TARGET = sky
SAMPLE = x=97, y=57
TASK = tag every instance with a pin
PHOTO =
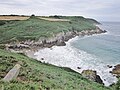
x=101, y=10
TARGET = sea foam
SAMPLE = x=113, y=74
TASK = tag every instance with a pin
x=69, y=56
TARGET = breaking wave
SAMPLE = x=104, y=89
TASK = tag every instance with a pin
x=69, y=56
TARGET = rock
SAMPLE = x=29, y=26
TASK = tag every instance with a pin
x=44, y=41
x=99, y=80
x=13, y=73
x=18, y=46
x=116, y=70
x=42, y=58
x=60, y=43
x=109, y=66
x=78, y=67
x=92, y=75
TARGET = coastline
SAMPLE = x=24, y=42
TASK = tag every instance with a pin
x=78, y=60
x=30, y=53
x=29, y=48
x=58, y=40
x=57, y=55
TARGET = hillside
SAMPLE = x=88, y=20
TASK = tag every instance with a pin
x=35, y=75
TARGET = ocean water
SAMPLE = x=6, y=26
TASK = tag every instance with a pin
x=90, y=52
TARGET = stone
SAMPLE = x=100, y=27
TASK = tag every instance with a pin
x=116, y=70
x=78, y=67
x=42, y=58
x=13, y=73
x=109, y=66
x=60, y=43
x=92, y=75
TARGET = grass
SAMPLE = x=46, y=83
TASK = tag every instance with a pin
x=35, y=75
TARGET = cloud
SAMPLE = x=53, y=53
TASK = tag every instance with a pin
x=99, y=9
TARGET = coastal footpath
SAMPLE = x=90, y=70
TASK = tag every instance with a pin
x=40, y=32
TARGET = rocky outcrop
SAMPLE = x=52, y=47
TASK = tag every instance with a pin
x=116, y=70
x=17, y=46
x=60, y=43
x=92, y=75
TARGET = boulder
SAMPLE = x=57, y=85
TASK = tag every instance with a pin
x=92, y=75
x=42, y=58
x=13, y=73
x=60, y=43
x=109, y=66
x=78, y=67
x=116, y=70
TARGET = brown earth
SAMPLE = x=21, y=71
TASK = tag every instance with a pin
x=14, y=17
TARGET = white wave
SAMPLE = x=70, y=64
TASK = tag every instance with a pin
x=115, y=35
x=112, y=34
x=68, y=56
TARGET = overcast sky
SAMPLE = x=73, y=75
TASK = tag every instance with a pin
x=102, y=10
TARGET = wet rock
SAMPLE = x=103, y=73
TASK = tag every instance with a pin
x=99, y=80
x=109, y=66
x=116, y=70
x=92, y=75
x=78, y=67
x=42, y=58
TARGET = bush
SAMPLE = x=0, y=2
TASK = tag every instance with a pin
x=2, y=23
x=2, y=46
x=118, y=85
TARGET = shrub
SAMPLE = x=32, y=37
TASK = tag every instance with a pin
x=2, y=23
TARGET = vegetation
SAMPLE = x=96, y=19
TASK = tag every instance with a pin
x=35, y=28
x=35, y=75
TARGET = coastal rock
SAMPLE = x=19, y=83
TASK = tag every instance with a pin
x=57, y=39
x=109, y=66
x=42, y=58
x=116, y=70
x=60, y=43
x=92, y=75
x=78, y=67
x=18, y=46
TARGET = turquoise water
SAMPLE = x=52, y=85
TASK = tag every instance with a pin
x=105, y=46
x=89, y=52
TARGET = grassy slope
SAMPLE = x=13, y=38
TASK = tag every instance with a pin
x=35, y=28
x=35, y=75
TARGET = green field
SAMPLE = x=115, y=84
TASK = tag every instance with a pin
x=35, y=28
x=35, y=75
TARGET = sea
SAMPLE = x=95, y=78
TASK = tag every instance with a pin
x=89, y=52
